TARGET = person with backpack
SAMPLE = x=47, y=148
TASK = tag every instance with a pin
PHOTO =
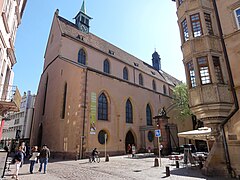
x=44, y=156
x=17, y=160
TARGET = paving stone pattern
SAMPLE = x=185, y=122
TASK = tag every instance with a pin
x=118, y=168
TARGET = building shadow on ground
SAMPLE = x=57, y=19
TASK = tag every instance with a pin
x=193, y=172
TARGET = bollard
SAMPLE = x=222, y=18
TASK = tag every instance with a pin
x=167, y=171
x=177, y=164
x=156, y=164
x=107, y=158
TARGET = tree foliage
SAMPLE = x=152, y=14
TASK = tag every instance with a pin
x=180, y=98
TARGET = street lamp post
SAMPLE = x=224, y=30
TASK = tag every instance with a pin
x=105, y=140
x=81, y=147
x=160, y=119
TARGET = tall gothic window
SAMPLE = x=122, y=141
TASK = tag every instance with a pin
x=64, y=101
x=140, y=79
x=164, y=89
x=237, y=15
x=191, y=74
x=185, y=30
x=45, y=96
x=148, y=115
x=154, y=85
x=102, y=107
x=217, y=69
x=208, y=23
x=82, y=57
x=196, y=25
x=125, y=73
x=204, y=70
x=106, y=66
x=129, y=112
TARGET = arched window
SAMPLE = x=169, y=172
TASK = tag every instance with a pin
x=101, y=137
x=154, y=85
x=140, y=79
x=164, y=89
x=149, y=115
x=106, y=66
x=82, y=57
x=102, y=107
x=129, y=112
x=125, y=73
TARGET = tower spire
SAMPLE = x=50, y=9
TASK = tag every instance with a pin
x=83, y=7
x=82, y=19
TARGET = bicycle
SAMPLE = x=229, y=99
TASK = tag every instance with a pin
x=96, y=159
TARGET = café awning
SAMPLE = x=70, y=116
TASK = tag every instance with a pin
x=203, y=133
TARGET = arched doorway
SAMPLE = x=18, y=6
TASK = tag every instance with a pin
x=39, y=139
x=129, y=140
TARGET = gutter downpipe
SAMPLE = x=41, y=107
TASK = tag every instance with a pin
x=230, y=170
x=84, y=112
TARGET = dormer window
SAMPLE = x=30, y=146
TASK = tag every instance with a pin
x=136, y=64
x=111, y=52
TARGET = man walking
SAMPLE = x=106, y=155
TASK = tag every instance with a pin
x=44, y=156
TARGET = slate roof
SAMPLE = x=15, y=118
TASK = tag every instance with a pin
x=72, y=30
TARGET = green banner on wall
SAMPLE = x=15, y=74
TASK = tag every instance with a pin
x=93, y=112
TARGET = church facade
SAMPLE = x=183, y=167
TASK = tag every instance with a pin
x=93, y=94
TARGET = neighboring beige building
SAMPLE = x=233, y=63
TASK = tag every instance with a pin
x=90, y=88
x=210, y=34
x=18, y=127
x=11, y=12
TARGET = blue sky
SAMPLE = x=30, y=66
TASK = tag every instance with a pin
x=136, y=26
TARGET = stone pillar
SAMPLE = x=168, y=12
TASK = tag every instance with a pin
x=216, y=161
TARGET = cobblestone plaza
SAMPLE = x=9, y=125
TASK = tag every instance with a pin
x=119, y=167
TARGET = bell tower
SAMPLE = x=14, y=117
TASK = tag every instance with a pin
x=82, y=19
x=156, y=61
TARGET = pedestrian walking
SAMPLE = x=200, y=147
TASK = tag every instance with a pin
x=33, y=158
x=23, y=147
x=133, y=150
x=161, y=149
x=44, y=156
x=17, y=160
x=129, y=150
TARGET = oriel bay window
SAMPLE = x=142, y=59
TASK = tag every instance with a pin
x=204, y=70
x=185, y=30
x=208, y=23
x=196, y=25
x=191, y=74
x=180, y=2
x=217, y=69
x=237, y=15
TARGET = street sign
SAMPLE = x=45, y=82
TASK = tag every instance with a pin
x=158, y=133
